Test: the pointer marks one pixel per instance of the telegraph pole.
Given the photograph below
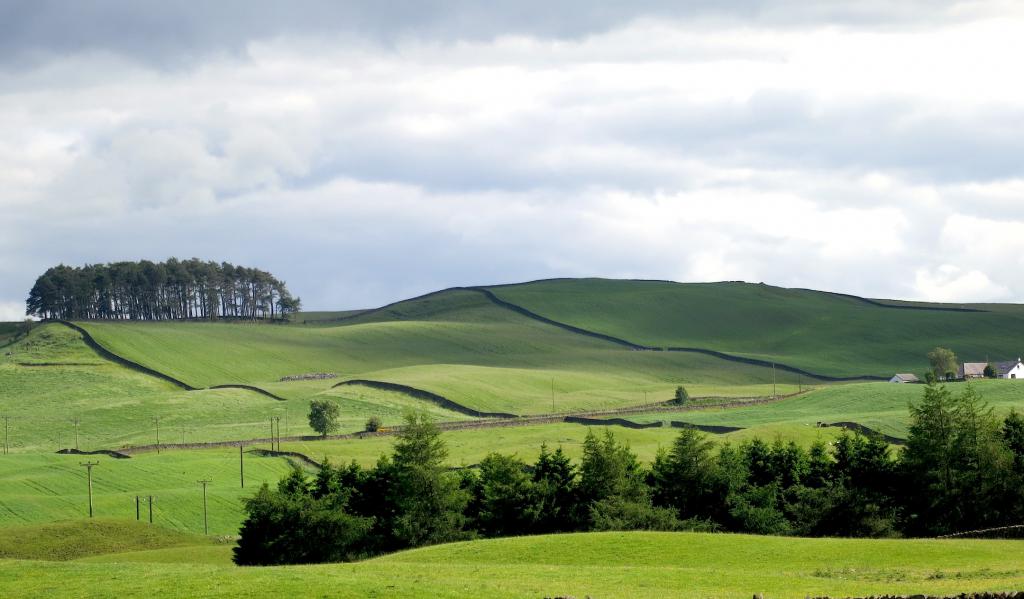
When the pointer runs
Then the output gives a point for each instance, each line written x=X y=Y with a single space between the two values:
x=88 y=467
x=151 y=498
x=76 y=422
x=137 y=518
x=277 y=419
x=206 y=525
x=271 y=433
x=774 y=394
x=7 y=422
x=156 y=419
x=241 y=464
x=552 y=395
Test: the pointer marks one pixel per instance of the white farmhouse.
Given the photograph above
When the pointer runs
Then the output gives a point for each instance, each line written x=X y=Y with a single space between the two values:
x=1014 y=369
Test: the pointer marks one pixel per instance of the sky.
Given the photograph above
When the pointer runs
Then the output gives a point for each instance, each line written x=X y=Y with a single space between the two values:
x=366 y=152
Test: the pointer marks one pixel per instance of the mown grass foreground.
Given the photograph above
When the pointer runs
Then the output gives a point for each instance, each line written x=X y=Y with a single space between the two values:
x=606 y=565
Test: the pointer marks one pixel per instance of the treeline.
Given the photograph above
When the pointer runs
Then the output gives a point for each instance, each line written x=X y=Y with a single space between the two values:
x=962 y=469
x=170 y=290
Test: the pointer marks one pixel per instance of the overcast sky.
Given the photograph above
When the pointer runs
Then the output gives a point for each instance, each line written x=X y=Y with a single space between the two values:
x=370 y=151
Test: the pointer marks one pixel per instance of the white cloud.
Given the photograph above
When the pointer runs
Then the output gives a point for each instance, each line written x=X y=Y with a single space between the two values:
x=949 y=283
x=12 y=311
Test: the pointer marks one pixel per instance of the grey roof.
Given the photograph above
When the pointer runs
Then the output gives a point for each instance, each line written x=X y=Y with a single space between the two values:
x=1002 y=368
x=906 y=376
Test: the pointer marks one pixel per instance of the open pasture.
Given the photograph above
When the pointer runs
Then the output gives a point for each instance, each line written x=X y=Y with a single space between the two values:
x=822 y=332
x=613 y=565
x=49 y=488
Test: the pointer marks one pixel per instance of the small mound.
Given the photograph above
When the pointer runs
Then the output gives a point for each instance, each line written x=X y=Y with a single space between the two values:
x=76 y=539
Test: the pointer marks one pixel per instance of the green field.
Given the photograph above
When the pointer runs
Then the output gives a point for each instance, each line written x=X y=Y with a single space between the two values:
x=457 y=344
x=47 y=488
x=880 y=406
x=626 y=565
x=822 y=332
x=96 y=538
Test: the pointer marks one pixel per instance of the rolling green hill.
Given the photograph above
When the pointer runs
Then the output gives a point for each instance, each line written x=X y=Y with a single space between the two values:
x=456 y=343
x=825 y=333
x=612 y=565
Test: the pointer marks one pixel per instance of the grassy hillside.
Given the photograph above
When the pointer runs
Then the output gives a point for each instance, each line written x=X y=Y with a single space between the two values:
x=457 y=344
x=75 y=539
x=612 y=565
x=53 y=378
x=880 y=406
x=822 y=332
x=48 y=488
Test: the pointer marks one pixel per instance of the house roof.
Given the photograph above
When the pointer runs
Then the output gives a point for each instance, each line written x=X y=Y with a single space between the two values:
x=904 y=376
x=1002 y=368
x=973 y=369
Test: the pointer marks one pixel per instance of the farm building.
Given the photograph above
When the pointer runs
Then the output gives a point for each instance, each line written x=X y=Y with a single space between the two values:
x=1014 y=369
x=904 y=378
x=972 y=370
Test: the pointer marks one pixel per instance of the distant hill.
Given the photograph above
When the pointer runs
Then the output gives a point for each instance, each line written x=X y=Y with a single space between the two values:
x=826 y=333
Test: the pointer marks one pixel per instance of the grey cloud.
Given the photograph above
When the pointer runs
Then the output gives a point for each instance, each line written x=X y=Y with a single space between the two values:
x=176 y=34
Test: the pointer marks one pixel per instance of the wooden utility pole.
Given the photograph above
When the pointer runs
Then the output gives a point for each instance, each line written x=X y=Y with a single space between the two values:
x=241 y=464
x=76 y=422
x=88 y=467
x=156 y=419
x=277 y=419
x=7 y=422
x=151 y=498
x=775 y=395
x=137 y=518
x=552 y=395
x=271 y=433
x=206 y=522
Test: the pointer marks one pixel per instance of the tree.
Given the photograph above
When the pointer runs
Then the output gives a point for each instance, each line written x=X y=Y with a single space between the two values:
x=681 y=396
x=686 y=477
x=428 y=500
x=323 y=416
x=956 y=464
x=990 y=371
x=507 y=499
x=943 y=362
x=373 y=424
x=555 y=478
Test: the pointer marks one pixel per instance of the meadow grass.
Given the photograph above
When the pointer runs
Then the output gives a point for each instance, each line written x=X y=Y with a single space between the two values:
x=612 y=565
x=48 y=488
x=457 y=344
x=822 y=332
x=77 y=539
x=468 y=446
x=880 y=406
x=116 y=406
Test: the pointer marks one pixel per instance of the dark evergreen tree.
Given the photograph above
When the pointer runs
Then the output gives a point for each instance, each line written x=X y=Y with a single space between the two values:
x=169 y=290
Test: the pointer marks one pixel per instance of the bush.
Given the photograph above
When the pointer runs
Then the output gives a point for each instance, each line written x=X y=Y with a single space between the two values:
x=681 y=396
x=373 y=424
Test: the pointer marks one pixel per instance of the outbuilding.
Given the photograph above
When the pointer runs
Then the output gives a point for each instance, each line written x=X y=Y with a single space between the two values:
x=972 y=370
x=904 y=378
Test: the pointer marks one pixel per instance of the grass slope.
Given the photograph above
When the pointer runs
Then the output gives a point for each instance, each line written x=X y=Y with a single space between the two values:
x=455 y=343
x=609 y=565
x=53 y=378
x=48 y=488
x=880 y=406
x=822 y=332
x=86 y=538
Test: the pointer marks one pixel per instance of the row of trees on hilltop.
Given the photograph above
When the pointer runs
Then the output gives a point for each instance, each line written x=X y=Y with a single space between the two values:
x=170 y=290
x=962 y=469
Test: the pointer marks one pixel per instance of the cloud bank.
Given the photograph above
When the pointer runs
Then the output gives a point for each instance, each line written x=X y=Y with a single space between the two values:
x=365 y=157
